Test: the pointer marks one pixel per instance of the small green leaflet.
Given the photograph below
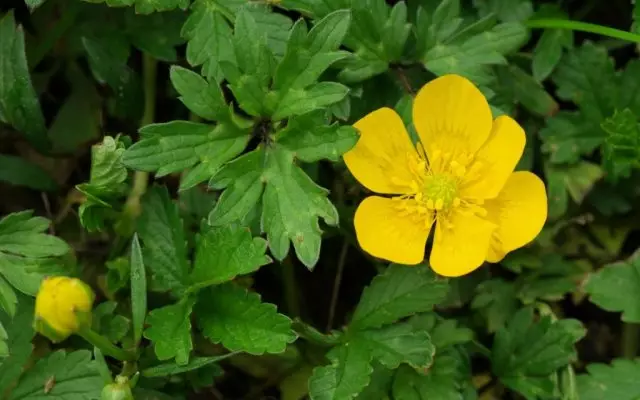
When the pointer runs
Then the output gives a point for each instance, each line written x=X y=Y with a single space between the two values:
x=610 y=286
x=548 y=52
x=75 y=377
x=616 y=381
x=525 y=353
x=568 y=135
x=19 y=332
x=575 y=181
x=291 y=202
x=237 y=318
x=496 y=300
x=621 y=149
x=346 y=376
x=108 y=323
x=164 y=245
x=170 y=331
x=19 y=103
x=224 y=253
x=8 y=302
x=397 y=293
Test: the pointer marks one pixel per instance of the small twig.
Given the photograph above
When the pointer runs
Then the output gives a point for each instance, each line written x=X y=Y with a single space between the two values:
x=336 y=284
x=47 y=209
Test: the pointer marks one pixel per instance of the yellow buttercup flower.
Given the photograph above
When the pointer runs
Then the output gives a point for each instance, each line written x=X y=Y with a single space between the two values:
x=459 y=178
x=63 y=307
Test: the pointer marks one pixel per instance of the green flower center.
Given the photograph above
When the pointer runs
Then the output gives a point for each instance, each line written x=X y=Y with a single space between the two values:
x=439 y=191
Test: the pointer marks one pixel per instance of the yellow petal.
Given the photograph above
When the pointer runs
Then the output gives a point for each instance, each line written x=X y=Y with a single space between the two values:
x=452 y=118
x=379 y=160
x=461 y=244
x=520 y=211
x=495 y=161
x=384 y=233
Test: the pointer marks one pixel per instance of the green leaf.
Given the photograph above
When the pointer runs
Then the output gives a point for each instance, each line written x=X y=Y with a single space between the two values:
x=235 y=317
x=20 y=172
x=165 y=249
x=471 y=56
x=19 y=103
x=19 y=332
x=608 y=287
x=497 y=302
x=636 y=17
x=398 y=292
x=586 y=76
x=108 y=174
x=174 y=146
x=106 y=322
x=444 y=333
x=138 y=290
x=569 y=135
x=525 y=353
x=203 y=98
x=157 y=34
x=621 y=147
x=171 y=369
x=348 y=374
x=548 y=52
x=170 y=331
x=75 y=377
x=442 y=381
x=8 y=298
x=396 y=344
x=22 y=235
x=149 y=6
x=224 y=253
x=302 y=101
x=506 y=10
x=379 y=385
x=616 y=381
x=576 y=180
x=310 y=140
x=525 y=90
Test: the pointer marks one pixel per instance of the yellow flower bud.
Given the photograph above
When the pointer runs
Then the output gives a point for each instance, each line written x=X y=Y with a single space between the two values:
x=63 y=306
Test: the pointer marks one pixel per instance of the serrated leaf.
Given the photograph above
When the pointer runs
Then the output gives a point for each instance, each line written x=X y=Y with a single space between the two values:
x=149 y=6
x=225 y=252
x=443 y=333
x=109 y=324
x=575 y=181
x=170 y=331
x=608 y=287
x=396 y=344
x=164 y=245
x=292 y=205
x=75 y=377
x=347 y=375
x=525 y=353
x=619 y=381
x=20 y=172
x=586 y=76
x=19 y=103
x=237 y=318
x=569 y=135
x=311 y=140
x=506 y=10
x=397 y=293
x=497 y=302
x=525 y=90
x=302 y=101
x=8 y=299
x=621 y=149
x=107 y=170
x=174 y=146
x=203 y=98
x=21 y=234
x=19 y=332
x=470 y=57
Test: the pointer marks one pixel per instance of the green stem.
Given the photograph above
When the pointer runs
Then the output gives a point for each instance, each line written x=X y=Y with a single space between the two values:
x=105 y=345
x=141 y=178
x=292 y=299
x=52 y=36
x=630 y=340
x=312 y=335
x=583 y=27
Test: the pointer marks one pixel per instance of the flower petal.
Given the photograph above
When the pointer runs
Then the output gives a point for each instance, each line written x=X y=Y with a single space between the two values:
x=496 y=160
x=384 y=233
x=461 y=247
x=520 y=211
x=452 y=117
x=379 y=160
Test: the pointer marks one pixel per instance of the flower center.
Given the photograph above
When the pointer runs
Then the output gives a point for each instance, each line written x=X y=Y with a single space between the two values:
x=439 y=191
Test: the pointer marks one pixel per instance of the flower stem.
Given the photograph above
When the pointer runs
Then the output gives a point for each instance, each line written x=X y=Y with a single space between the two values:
x=583 y=27
x=312 y=335
x=141 y=178
x=105 y=345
